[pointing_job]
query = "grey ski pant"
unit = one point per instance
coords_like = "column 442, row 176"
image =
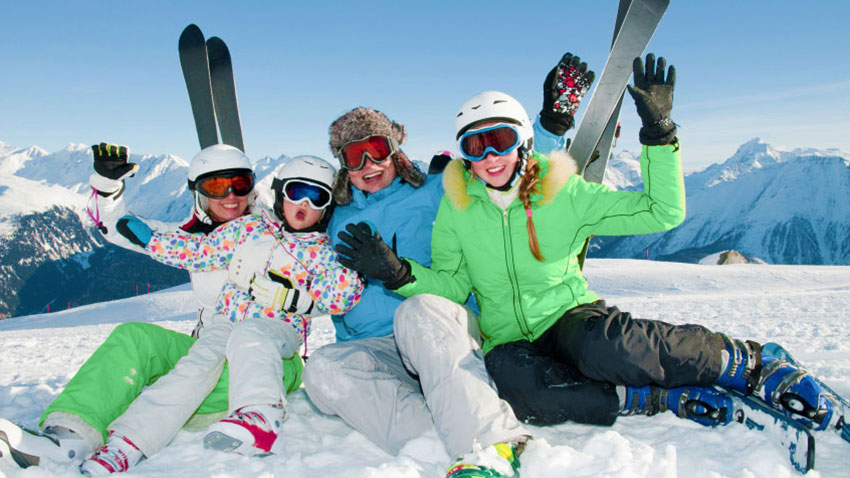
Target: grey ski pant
column 431, row 373
column 253, row 349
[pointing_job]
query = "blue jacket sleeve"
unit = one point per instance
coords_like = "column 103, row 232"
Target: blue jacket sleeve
column 546, row 142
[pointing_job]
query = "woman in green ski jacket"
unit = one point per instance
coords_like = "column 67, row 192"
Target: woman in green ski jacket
column 510, row 228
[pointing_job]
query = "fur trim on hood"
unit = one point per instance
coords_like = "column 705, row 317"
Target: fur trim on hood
column 555, row 171
column 360, row 123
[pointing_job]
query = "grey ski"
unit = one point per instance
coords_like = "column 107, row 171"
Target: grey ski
column 193, row 60
column 638, row 26
column 224, row 93
column 635, row 25
column 594, row 171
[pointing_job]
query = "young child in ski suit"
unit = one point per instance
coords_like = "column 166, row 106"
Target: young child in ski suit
column 265, row 258
column 509, row 229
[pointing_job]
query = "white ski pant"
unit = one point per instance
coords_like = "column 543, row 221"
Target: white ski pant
column 253, row 348
column 430, row 373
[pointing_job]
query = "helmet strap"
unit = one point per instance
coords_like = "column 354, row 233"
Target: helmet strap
column 202, row 204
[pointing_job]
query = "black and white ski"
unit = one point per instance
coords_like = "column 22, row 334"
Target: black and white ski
column 794, row 437
column 224, row 93
column 193, row 59
column 638, row 25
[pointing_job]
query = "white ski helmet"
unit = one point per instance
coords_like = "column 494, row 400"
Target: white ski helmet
column 309, row 169
column 494, row 106
column 211, row 161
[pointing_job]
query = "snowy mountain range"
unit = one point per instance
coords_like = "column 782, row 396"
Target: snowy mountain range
column 784, row 207
column 51, row 256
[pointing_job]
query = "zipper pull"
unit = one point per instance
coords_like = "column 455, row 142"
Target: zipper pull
column 505, row 215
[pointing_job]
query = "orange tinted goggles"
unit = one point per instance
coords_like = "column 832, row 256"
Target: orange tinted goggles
column 219, row 187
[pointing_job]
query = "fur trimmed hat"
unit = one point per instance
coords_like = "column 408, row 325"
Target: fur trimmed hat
column 360, row 123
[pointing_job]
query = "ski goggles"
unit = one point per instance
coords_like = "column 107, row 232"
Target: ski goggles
column 297, row 190
column 220, row 186
column 499, row 139
column 377, row 148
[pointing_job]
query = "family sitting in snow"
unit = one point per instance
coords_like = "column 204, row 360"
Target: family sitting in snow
column 469, row 330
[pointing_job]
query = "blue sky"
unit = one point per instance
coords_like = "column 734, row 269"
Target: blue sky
column 108, row 70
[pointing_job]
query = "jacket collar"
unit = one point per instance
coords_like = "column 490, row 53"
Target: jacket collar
column 268, row 218
column 361, row 200
column 555, row 171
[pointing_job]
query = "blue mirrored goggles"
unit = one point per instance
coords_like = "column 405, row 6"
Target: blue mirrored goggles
column 297, row 190
column 499, row 139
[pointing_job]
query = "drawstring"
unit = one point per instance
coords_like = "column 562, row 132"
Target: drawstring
column 304, row 331
column 94, row 218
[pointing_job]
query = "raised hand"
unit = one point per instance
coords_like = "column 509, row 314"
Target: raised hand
column 653, row 95
column 564, row 87
column 110, row 161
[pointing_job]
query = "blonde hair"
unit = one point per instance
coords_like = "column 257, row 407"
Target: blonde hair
column 529, row 184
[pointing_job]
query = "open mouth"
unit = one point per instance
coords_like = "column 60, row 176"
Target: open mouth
column 301, row 215
column 372, row 177
column 495, row 170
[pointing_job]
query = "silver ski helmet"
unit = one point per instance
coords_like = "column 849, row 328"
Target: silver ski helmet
column 495, row 106
column 310, row 170
column 215, row 160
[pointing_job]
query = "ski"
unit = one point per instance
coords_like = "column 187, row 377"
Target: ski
column 794, row 437
column 639, row 24
column 594, row 171
column 194, row 62
column 591, row 148
column 772, row 349
column 224, row 93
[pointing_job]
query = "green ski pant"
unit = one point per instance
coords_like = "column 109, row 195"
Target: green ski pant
column 135, row 355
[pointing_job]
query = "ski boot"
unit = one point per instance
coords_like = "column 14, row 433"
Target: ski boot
column 704, row 405
column 500, row 460
column 24, row 448
column 118, row 455
column 251, row 431
column 781, row 384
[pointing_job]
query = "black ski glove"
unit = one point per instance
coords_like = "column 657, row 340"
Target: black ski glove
column 439, row 162
column 654, row 99
column 563, row 90
column 369, row 255
column 110, row 161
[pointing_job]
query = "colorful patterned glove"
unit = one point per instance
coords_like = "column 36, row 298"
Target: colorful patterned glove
column 563, row 89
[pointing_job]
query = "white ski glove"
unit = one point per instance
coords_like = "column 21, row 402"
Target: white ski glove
column 277, row 292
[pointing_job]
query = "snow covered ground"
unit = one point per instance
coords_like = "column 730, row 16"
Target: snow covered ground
column 806, row 308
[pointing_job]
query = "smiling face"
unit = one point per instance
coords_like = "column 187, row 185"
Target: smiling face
column 496, row 170
column 228, row 208
column 300, row 216
column 374, row 176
